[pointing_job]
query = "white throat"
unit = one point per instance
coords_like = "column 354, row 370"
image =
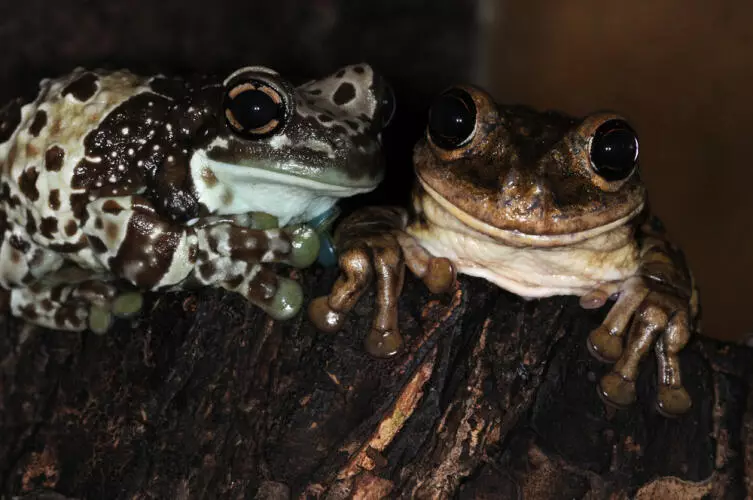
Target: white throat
column 225, row 188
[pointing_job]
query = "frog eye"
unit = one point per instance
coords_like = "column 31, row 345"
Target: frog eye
column 452, row 119
column 254, row 109
column 614, row 150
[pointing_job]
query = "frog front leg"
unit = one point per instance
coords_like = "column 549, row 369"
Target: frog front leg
column 374, row 246
column 139, row 245
column 657, row 309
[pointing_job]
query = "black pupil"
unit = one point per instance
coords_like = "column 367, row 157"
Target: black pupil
column 614, row 150
column 254, row 109
column 452, row 119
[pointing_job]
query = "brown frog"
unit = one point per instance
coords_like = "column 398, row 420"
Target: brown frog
column 541, row 204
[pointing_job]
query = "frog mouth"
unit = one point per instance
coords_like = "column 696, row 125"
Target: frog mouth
column 515, row 237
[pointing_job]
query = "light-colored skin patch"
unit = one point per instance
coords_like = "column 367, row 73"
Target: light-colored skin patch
column 135, row 169
column 540, row 204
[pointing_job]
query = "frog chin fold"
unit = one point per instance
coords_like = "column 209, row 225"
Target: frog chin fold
column 243, row 188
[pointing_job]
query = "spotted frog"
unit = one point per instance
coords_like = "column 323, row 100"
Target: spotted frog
column 115, row 183
column 540, row 204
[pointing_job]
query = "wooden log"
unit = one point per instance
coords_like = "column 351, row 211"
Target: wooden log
column 202, row 396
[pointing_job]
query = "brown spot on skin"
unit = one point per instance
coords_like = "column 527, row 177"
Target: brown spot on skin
column 40, row 120
column 98, row 223
column 345, row 93
column 31, row 223
column 324, row 118
column 315, row 92
column 27, row 182
column 154, row 254
column 82, row 88
column 208, row 177
column 48, row 227
column 340, row 74
column 71, row 227
column 15, row 256
column 53, row 159
column 78, row 206
column 31, row 150
column 112, row 207
column 207, row 270
column 54, row 200
column 192, row 254
column 46, row 305
column 227, row 197
column 112, row 230
column 10, row 118
column 359, row 70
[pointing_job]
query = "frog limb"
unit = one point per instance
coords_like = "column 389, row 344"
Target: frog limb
column 376, row 248
column 661, row 303
column 139, row 245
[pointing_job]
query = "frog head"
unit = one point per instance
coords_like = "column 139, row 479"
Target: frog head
column 292, row 151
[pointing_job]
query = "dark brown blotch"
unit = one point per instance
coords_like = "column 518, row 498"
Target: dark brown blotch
column 53, row 159
column 48, row 227
column 345, row 93
column 31, row 223
column 40, row 120
column 82, row 88
column 54, row 201
column 27, row 183
column 112, row 207
column 70, row 227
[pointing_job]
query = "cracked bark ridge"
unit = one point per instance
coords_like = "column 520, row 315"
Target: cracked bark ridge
column 204, row 397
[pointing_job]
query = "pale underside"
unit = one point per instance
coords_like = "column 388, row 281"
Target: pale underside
column 244, row 188
column 530, row 266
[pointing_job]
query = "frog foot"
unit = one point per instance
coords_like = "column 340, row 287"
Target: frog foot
column 376, row 249
column 657, row 318
column 70, row 307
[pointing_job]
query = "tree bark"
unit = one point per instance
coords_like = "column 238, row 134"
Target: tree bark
column 202, row 396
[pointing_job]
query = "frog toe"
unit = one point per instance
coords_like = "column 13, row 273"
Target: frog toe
column 324, row 318
column 383, row 343
column 305, row 245
column 127, row 304
column 287, row 300
column 673, row 401
column 604, row 346
column 616, row 390
column 100, row 320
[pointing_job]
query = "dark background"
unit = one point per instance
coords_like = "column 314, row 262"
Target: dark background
column 680, row 70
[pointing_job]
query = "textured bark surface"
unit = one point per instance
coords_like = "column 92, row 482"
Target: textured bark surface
column 203, row 397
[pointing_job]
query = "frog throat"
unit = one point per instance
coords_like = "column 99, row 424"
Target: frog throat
column 518, row 238
column 226, row 188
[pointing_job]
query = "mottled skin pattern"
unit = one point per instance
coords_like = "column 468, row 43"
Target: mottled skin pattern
column 112, row 180
column 521, row 204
